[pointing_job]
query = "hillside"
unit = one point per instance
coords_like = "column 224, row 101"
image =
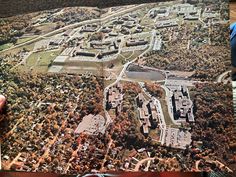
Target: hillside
column 13, row 7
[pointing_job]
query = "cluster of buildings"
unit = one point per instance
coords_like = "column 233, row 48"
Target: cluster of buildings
column 114, row 98
column 49, row 44
column 96, row 48
column 185, row 9
column 188, row 11
column 208, row 14
column 121, row 34
column 128, row 24
column 148, row 114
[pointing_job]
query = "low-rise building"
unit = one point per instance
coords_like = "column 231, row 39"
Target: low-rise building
column 106, row 30
column 80, row 52
column 191, row 17
column 166, row 23
column 210, row 15
column 160, row 12
column 129, row 24
column 157, row 44
column 185, row 9
column 99, row 44
column 118, row 21
column 89, row 28
column 124, row 30
column 60, row 60
column 136, row 42
column 56, row 42
column 107, row 53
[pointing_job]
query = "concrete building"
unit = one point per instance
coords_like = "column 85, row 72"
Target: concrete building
column 106, row 30
column 136, row 42
column 84, row 53
column 166, row 23
column 129, row 24
column 89, row 28
column 160, row 12
column 118, row 21
column 147, row 114
column 124, row 30
column 182, row 105
column 185, row 9
column 157, row 44
column 153, row 13
column 112, row 34
column 153, row 114
column 60, row 60
column 107, row 53
column 210, row 15
column 56, row 42
column 191, row 17
column 145, row 129
column 114, row 98
column 100, row 44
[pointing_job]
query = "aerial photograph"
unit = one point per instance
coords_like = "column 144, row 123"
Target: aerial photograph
column 134, row 88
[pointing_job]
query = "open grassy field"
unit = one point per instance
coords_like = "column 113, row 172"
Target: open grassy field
column 17, row 49
column 46, row 27
column 40, row 60
column 24, row 39
column 106, row 83
column 5, row 46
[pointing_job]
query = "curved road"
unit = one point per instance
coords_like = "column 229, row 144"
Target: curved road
column 221, row 77
column 137, row 166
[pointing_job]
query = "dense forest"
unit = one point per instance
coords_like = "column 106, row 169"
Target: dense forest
column 215, row 123
column 12, row 7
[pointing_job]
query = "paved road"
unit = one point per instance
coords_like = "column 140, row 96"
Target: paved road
column 104, row 160
column 221, row 77
column 167, row 99
column 137, row 166
column 221, row 165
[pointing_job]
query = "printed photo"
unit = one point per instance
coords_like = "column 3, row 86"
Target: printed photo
column 134, row 88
